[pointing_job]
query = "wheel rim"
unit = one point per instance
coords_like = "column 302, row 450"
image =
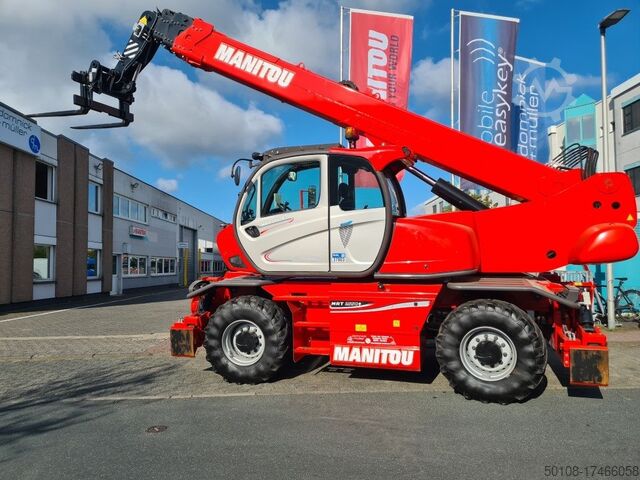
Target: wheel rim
column 488, row 354
column 243, row 342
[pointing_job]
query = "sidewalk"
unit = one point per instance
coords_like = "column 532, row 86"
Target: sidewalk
column 142, row 311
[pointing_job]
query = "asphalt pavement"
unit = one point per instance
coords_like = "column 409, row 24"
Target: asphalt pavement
column 84, row 383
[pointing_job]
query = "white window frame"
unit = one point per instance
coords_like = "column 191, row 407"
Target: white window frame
column 51, row 172
column 51, row 274
column 205, row 262
column 218, row 266
column 144, row 206
column 125, row 272
column 163, row 260
column 98, row 198
column 163, row 215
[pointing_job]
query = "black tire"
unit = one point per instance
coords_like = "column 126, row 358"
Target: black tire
column 274, row 327
column 524, row 372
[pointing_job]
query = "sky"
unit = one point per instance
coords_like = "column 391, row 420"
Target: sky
column 191, row 125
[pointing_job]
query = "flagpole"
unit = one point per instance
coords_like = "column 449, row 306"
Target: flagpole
column 453, row 98
column 340, row 133
column 453, row 12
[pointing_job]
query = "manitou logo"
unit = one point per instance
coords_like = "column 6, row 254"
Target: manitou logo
column 379, row 356
column 382, row 59
column 254, row 65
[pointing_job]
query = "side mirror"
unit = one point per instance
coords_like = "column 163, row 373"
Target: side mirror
column 235, row 174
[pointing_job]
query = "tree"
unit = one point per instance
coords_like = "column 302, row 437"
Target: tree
column 483, row 198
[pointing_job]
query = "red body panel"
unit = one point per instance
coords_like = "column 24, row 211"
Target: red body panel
column 431, row 245
column 358, row 324
column 229, row 248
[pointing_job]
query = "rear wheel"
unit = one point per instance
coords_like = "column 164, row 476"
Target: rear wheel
column 491, row 350
column 247, row 339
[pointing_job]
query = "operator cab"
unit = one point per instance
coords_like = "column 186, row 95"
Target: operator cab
column 315, row 212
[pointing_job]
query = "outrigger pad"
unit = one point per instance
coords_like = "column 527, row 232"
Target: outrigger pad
column 182, row 342
column 589, row 367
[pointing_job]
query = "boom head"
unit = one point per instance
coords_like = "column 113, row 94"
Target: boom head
column 151, row 30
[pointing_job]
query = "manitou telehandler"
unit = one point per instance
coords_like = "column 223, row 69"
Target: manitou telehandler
column 323, row 260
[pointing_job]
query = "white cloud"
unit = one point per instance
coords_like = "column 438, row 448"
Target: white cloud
column 224, row 172
column 182, row 121
column 431, row 87
column 298, row 31
column 179, row 120
column 588, row 81
column 169, row 185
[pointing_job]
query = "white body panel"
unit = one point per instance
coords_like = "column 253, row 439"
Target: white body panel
column 356, row 238
column 310, row 236
column 293, row 241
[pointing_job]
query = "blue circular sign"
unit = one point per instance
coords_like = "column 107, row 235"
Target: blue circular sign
column 34, row 144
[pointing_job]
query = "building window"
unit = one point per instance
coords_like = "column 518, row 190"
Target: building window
column 573, row 130
column 163, row 266
column 206, row 266
column 129, row 209
column 134, row 266
column 44, row 181
column 588, row 128
column 42, row 262
column 435, row 208
column 94, row 197
column 161, row 214
column 631, row 117
column 205, row 245
column 93, row 263
column 581, row 129
column 634, row 175
column 218, row 266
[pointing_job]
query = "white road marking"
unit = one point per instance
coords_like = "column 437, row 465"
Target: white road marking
column 83, row 306
column 142, row 336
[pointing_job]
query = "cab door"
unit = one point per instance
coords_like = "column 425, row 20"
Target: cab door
column 283, row 222
column 357, row 215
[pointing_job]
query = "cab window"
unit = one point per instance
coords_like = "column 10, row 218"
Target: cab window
column 396, row 210
column 354, row 186
column 290, row 188
column 249, row 205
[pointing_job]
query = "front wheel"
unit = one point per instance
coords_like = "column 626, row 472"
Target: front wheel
column 247, row 339
column 491, row 350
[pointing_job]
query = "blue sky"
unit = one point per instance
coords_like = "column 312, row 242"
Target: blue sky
column 214, row 120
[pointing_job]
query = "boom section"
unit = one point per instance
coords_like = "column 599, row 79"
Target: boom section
column 494, row 167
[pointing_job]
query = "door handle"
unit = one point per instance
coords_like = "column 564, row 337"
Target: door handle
column 252, row 231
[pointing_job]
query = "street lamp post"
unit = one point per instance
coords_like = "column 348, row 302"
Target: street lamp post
column 609, row 166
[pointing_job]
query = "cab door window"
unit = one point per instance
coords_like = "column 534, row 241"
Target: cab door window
column 290, row 187
column 248, row 212
column 354, row 186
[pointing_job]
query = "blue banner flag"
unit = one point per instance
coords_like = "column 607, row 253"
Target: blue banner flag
column 529, row 112
column 487, row 56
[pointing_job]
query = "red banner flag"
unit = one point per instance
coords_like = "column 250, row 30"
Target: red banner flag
column 380, row 55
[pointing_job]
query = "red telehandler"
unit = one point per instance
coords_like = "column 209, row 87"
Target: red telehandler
column 323, row 260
